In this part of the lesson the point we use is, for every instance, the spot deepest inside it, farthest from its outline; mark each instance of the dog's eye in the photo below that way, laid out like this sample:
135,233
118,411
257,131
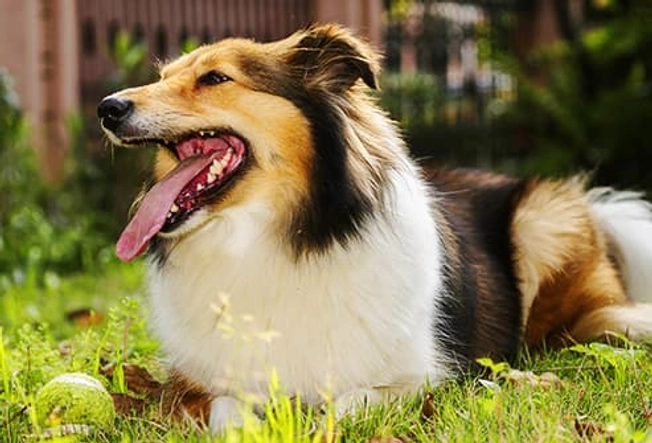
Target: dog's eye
212,78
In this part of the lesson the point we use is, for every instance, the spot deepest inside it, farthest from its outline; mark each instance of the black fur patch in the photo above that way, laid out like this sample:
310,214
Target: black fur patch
335,209
158,251
483,316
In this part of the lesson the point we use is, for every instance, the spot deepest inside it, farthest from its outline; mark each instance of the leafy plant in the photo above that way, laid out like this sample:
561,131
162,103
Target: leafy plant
412,99
40,231
130,59
586,101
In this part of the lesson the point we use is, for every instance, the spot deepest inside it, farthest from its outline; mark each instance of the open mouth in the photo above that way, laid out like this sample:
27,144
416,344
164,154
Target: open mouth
226,154
208,161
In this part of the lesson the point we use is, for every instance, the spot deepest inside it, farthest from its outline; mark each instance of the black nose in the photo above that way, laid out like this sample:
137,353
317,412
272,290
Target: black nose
113,111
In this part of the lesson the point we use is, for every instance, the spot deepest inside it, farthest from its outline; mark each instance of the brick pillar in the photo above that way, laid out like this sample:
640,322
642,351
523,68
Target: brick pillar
363,16
38,44
20,45
60,77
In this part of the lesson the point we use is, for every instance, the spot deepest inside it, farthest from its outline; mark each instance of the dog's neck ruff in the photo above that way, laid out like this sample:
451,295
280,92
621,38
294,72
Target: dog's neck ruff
231,304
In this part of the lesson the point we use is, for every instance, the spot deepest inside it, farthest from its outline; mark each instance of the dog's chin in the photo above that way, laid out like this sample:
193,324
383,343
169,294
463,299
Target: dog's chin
114,139
123,141
195,221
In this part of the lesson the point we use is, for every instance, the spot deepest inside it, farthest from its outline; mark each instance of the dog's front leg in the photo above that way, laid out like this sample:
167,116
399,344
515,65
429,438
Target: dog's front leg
228,412
356,400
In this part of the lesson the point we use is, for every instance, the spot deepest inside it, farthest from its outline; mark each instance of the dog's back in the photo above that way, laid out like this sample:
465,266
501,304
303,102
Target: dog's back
543,261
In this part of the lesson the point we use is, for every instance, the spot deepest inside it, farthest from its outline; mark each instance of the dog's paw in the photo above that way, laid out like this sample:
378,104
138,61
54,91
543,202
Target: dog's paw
229,412
351,402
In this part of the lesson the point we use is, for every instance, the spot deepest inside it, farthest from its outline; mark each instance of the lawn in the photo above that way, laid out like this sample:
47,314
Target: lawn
82,323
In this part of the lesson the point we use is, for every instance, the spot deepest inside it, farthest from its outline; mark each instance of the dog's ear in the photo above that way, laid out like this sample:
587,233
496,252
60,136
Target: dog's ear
330,57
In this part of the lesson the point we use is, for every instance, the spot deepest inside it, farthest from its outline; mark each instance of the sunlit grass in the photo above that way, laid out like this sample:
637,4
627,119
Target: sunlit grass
586,393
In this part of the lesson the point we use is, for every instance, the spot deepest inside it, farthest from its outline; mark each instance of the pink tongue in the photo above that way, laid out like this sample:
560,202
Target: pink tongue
155,206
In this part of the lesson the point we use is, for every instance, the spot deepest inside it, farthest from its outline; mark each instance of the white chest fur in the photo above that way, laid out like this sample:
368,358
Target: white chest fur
230,305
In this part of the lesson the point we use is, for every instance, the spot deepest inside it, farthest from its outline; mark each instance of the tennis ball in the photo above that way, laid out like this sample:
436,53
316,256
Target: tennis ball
74,398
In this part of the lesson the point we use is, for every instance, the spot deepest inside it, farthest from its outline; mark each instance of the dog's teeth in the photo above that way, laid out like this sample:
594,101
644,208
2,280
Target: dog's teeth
216,167
211,178
200,187
173,210
202,133
225,160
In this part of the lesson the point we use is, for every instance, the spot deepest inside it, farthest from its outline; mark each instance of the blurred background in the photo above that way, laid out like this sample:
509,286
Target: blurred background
522,86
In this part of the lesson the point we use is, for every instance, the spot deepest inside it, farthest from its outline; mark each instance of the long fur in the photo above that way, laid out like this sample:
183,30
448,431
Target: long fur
333,262
627,220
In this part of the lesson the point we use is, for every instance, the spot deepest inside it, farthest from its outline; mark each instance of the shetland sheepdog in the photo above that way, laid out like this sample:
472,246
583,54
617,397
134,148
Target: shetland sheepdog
290,235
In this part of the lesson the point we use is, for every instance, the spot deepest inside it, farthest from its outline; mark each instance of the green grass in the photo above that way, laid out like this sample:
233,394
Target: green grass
595,392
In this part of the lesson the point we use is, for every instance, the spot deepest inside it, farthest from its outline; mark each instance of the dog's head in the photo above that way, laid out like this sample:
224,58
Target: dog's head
240,120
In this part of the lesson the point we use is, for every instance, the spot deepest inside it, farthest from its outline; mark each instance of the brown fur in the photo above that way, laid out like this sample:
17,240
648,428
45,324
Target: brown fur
568,286
562,263
183,399
177,397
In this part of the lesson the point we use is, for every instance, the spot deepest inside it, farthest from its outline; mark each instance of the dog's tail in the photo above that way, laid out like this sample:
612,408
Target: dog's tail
626,218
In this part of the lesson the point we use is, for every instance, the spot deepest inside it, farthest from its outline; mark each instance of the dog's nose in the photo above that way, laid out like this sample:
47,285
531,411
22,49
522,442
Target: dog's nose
113,111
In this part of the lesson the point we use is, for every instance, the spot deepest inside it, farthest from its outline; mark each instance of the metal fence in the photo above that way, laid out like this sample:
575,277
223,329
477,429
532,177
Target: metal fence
447,88
165,25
